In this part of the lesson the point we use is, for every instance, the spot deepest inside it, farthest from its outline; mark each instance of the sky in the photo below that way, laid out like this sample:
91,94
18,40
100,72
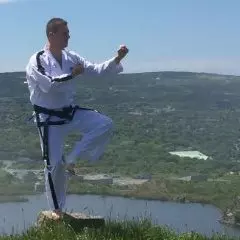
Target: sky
162,35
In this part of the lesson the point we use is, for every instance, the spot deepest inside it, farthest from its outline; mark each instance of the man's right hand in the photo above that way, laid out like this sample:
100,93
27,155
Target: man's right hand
78,69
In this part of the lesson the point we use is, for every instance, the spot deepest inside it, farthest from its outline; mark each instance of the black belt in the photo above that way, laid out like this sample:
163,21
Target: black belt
65,113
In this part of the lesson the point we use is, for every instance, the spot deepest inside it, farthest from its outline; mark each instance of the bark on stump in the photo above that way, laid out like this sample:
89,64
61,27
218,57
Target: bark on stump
77,221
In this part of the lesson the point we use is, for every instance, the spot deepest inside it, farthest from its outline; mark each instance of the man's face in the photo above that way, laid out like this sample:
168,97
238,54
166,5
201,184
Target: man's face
60,38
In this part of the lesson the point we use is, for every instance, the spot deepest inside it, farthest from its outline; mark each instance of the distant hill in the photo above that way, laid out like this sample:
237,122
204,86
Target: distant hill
153,112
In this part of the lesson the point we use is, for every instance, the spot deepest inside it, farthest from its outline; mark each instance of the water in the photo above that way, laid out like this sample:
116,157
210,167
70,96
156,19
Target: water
16,217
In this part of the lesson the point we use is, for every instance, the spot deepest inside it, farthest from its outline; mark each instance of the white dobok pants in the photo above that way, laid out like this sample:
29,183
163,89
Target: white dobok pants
96,130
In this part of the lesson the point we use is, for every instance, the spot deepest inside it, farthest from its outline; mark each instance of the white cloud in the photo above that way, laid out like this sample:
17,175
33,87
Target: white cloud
9,1
5,1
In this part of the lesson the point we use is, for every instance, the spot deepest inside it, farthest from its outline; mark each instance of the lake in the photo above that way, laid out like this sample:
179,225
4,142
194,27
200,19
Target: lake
15,217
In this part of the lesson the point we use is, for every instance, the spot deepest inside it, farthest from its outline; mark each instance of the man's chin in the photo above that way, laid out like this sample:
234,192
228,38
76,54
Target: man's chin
64,46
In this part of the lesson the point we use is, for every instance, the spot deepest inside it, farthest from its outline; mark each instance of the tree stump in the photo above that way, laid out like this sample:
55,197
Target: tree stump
77,221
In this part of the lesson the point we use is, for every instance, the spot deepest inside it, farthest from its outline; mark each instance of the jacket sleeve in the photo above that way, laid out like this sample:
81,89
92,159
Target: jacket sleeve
97,69
42,79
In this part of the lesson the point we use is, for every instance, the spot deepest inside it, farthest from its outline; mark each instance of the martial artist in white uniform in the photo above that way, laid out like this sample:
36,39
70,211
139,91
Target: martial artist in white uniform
51,82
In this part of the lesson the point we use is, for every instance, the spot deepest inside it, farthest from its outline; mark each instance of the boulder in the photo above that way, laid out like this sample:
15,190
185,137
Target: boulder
77,221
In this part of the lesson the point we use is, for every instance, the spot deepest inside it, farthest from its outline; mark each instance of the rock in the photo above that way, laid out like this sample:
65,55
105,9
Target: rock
230,218
77,221
229,214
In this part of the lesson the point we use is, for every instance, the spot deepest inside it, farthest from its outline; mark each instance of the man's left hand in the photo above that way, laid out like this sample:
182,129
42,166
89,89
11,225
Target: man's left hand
122,52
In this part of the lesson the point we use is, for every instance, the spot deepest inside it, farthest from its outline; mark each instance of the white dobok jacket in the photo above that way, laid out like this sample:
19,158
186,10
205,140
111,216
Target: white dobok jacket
51,86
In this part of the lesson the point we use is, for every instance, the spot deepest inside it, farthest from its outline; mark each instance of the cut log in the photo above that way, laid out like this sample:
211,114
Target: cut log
77,221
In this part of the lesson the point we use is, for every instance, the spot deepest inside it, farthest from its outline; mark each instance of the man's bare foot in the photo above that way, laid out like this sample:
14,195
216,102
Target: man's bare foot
57,214
70,168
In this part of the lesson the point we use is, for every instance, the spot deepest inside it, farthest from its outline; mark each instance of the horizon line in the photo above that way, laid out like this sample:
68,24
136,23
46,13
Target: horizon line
155,71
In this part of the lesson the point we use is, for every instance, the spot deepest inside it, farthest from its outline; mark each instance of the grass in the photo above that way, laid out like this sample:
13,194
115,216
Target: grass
113,230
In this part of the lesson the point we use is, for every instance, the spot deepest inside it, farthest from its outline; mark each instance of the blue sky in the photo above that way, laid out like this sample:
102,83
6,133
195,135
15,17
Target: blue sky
178,35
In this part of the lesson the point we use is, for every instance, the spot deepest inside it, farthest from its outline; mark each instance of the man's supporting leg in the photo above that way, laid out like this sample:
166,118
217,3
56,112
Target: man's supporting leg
54,170
96,129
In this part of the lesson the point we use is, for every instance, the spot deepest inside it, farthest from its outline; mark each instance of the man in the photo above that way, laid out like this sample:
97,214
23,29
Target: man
51,78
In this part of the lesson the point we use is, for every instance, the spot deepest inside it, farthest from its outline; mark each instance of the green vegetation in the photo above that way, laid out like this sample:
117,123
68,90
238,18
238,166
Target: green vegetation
154,113
125,230
6,199
5,177
204,192
14,191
